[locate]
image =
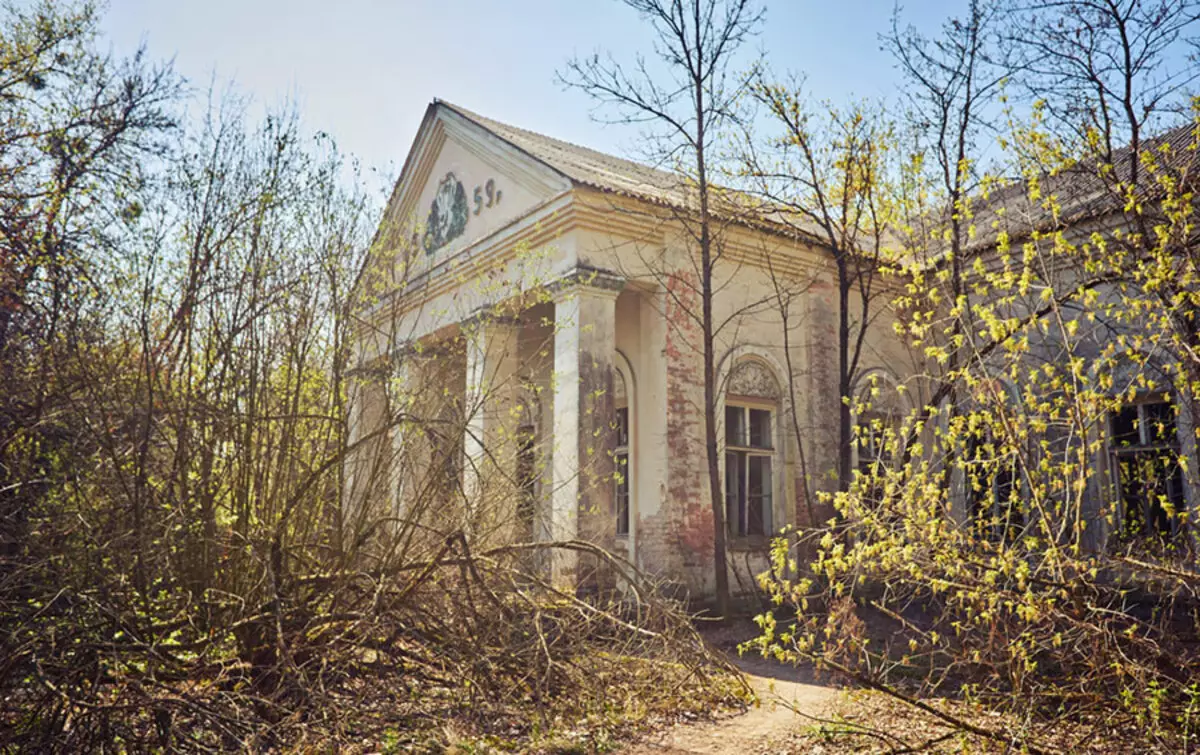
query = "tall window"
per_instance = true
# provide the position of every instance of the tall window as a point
(621, 457)
(875, 431)
(1149, 479)
(994, 491)
(749, 482)
(873, 447)
(526, 480)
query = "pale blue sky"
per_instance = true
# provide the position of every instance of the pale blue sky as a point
(364, 70)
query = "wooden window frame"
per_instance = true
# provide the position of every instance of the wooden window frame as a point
(622, 487)
(1147, 445)
(741, 452)
(1005, 519)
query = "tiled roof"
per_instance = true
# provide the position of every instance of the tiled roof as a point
(1081, 192)
(586, 166)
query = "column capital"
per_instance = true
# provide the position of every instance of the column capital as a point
(414, 348)
(489, 314)
(594, 279)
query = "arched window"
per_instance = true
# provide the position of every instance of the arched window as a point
(751, 464)
(621, 496)
(877, 414)
(878, 410)
(992, 465)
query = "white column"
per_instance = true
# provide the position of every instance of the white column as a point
(584, 349)
(366, 463)
(402, 394)
(492, 406)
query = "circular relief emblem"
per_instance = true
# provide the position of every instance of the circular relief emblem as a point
(447, 215)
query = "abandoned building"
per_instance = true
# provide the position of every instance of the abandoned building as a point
(533, 332)
(548, 292)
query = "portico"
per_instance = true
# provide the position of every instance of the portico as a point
(533, 309)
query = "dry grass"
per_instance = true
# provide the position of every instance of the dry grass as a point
(870, 722)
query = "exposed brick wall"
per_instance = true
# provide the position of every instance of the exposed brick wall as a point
(679, 540)
(821, 394)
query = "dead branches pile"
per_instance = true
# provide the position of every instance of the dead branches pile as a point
(465, 644)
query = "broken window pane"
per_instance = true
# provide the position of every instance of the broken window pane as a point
(1125, 427)
(735, 491)
(622, 427)
(1147, 471)
(1159, 419)
(622, 493)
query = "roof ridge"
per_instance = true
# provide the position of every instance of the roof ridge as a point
(488, 123)
(584, 166)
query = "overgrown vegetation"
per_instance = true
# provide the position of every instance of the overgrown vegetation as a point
(180, 568)
(1023, 539)
(196, 554)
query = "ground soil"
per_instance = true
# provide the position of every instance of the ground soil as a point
(799, 714)
(784, 707)
(789, 699)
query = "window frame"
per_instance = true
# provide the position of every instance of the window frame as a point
(741, 453)
(869, 449)
(1147, 446)
(527, 479)
(874, 438)
(1005, 520)
(622, 489)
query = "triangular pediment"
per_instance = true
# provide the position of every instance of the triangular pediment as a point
(460, 184)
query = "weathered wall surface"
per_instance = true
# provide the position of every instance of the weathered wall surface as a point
(674, 514)
(657, 346)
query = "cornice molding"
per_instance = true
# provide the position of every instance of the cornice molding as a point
(429, 150)
(586, 277)
(489, 315)
(583, 209)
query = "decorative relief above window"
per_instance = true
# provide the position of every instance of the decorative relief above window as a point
(753, 378)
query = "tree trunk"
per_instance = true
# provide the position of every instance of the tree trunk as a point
(845, 419)
(721, 570)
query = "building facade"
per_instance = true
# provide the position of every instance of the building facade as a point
(531, 370)
(534, 311)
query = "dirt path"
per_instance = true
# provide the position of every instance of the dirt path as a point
(778, 688)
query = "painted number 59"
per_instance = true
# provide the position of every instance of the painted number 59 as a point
(493, 195)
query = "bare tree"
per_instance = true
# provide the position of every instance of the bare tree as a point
(686, 107)
(1107, 70)
(830, 179)
(80, 128)
(954, 86)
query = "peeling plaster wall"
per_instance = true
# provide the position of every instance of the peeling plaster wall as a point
(655, 330)
(675, 517)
